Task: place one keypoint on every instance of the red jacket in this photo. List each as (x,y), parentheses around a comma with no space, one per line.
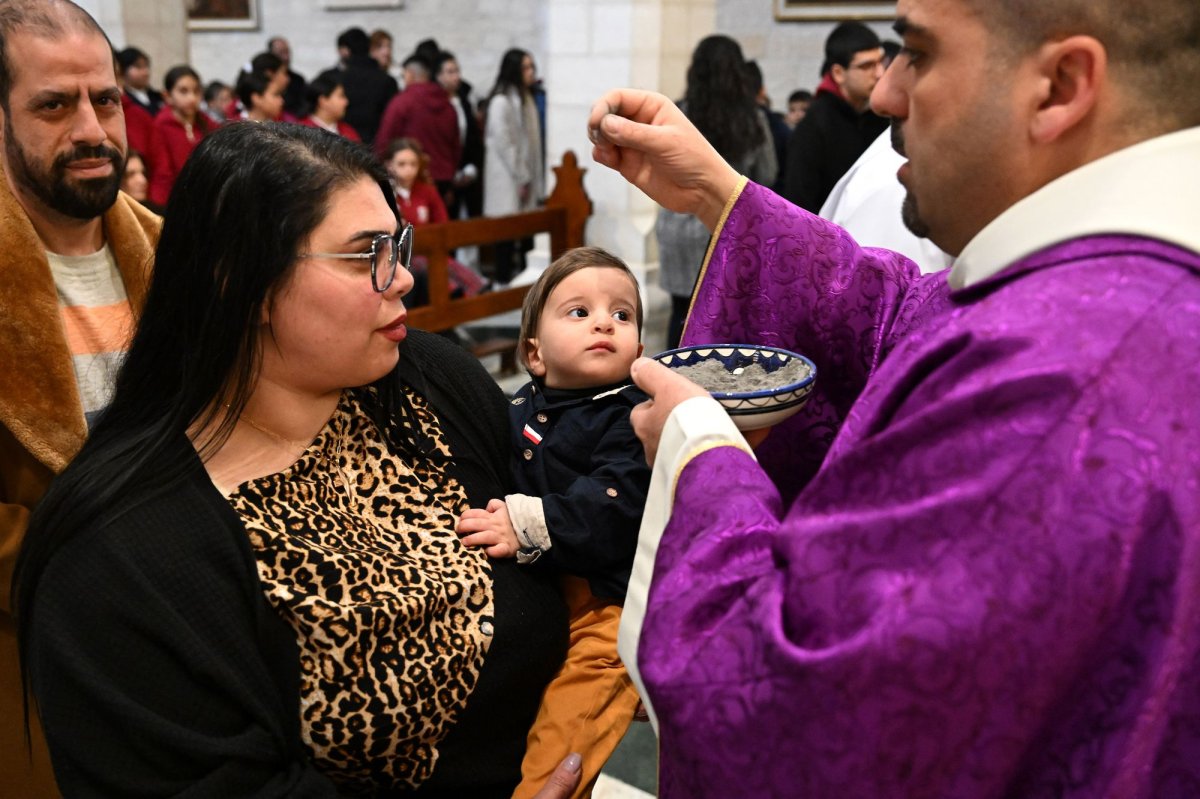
(424,205)
(177,146)
(342,128)
(423,112)
(141,135)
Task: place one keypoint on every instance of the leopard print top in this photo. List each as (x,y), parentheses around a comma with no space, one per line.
(356,549)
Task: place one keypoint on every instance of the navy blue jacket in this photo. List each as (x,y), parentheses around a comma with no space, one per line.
(590,470)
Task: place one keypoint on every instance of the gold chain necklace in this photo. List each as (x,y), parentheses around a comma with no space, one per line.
(268,432)
(336,461)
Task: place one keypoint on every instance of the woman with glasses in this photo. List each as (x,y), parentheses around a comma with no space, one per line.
(248,582)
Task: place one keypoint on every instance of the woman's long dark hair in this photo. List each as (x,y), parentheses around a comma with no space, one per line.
(718,99)
(244,204)
(511,75)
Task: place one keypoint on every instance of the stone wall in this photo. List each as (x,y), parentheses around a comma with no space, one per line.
(476,31)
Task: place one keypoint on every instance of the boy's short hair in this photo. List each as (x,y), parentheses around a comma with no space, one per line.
(418,64)
(130,56)
(567,264)
(213,89)
(847,39)
(800,96)
(250,84)
(355,40)
(323,85)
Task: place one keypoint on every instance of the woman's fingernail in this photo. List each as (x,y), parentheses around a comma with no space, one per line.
(573,762)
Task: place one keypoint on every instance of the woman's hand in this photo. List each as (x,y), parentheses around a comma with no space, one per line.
(563,781)
(646,138)
(489,528)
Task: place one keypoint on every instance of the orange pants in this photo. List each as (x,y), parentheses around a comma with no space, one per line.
(589,704)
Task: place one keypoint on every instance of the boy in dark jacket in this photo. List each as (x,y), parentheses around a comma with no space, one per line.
(583,479)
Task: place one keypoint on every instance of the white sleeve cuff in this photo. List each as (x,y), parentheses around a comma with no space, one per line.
(696,425)
(529,521)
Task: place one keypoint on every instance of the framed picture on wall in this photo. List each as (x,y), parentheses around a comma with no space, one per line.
(352,5)
(832,10)
(222,15)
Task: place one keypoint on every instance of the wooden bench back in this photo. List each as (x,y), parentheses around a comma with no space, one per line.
(564,218)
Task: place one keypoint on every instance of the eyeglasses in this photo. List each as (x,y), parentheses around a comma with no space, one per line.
(386,253)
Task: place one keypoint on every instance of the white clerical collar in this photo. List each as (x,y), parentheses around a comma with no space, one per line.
(1150,189)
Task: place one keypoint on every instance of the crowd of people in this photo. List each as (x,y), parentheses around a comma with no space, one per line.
(800,154)
(483,151)
(258,538)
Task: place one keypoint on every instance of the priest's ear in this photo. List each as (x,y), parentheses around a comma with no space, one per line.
(1072,79)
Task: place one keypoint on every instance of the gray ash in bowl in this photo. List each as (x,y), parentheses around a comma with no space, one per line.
(711,375)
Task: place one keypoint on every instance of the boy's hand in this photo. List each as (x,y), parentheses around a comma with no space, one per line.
(489,528)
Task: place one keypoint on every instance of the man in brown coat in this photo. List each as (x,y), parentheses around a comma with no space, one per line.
(66,235)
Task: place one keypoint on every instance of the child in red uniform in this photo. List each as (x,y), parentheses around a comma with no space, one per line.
(416,195)
(180,125)
(261,96)
(420,204)
(328,102)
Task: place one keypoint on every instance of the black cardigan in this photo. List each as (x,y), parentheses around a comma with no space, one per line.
(160,668)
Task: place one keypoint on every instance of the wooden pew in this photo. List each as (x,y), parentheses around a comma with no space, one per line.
(563,217)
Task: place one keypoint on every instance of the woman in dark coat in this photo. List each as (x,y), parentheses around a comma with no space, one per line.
(248,583)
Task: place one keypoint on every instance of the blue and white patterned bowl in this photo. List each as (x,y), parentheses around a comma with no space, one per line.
(751,410)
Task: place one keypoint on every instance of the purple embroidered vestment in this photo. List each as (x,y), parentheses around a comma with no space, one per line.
(968,568)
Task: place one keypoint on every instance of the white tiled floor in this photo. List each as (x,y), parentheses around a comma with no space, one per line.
(609,788)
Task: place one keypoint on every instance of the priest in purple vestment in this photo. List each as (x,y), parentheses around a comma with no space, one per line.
(970,567)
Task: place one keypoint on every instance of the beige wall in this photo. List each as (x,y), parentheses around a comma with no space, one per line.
(596,45)
(160,29)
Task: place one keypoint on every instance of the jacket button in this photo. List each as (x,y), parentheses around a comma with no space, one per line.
(486,628)
(528,454)
(612,492)
(543,418)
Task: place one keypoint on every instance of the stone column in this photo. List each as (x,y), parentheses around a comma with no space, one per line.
(596,45)
(157,28)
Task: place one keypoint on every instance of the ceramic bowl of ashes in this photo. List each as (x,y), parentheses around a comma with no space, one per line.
(758,386)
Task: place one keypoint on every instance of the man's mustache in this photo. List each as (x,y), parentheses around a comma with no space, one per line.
(897,138)
(84,152)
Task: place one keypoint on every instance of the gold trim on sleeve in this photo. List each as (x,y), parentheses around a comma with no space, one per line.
(734,196)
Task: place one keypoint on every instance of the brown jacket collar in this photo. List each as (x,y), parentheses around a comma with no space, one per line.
(39,398)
